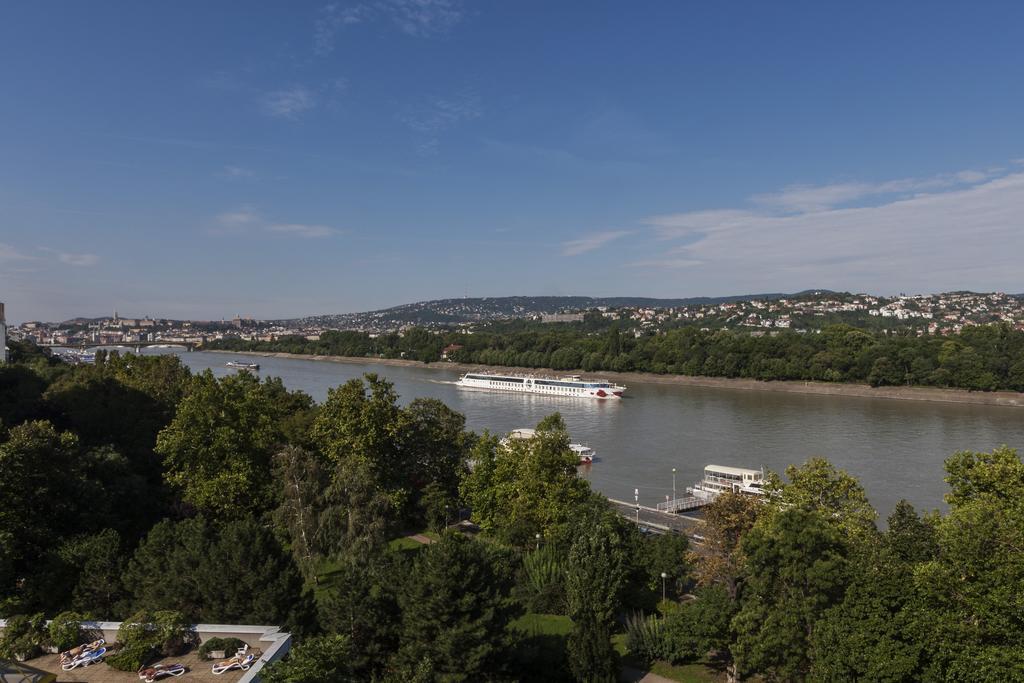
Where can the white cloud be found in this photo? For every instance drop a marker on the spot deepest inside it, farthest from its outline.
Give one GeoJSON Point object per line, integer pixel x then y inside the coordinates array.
{"type": "Point", "coordinates": [592, 242]}
{"type": "Point", "coordinates": [961, 236]}
{"type": "Point", "coordinates": [82, 260]}
{"type": "Point", "coordinates": [236, 172]}
{"type": "Point", "coordinates": [239, 218]}
{"type": "Point", "coordinates": [420, 18]}
{"type": "Point", "coordinates": [301, 230]}
{"type": "Point", "coordinates": [288, 103]}
{"type": "Point", "coordinates": [437, 114]}
{"type": "Point", "coordinates": [9, 253]}
{"type": "Point", "coordinates": [801, 198]}
{"type": "Point", "coordinates": [425, 17]}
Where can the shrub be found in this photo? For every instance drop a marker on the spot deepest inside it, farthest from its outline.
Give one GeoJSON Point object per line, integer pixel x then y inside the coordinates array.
{"type": "Point", "coordinates": [646, 638]}
{"type": "Point", "coordinates": [544, 581]}
{"type": "Point", "coordinates": [66, 631]}
{"type": "Point", "coordinates": [132, 657]}
{"type": "Point", "coordinates": [24, 637]}
{"type": "Point", "coordinates": [229, 645]}
{"type": "Point", "coordinates": [166, 631]}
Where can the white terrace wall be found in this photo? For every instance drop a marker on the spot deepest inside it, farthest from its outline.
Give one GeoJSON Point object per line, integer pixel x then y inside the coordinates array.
{"type": "Point", "coordinates": [271, 640]}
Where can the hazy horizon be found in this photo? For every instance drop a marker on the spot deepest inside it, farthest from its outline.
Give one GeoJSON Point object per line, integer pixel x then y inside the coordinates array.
{"type": "Point", "coordinates": [202, 161]}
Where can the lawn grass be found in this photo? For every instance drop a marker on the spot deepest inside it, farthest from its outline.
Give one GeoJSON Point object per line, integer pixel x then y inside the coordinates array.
{"type": "Point", "coordinates": [543, 624]}
{"type": "Point", "coordinates": [687, 673]}
{"type": "Point", "coordinates": [403, 543]}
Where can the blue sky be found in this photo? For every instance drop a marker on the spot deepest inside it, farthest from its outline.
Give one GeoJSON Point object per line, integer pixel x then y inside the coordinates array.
{"type": "Point", "coordinates": [196, 159]}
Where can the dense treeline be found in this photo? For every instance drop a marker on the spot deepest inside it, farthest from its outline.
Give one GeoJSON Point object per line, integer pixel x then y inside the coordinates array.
{"type": "Point", "coordinates": [135, 490]}
{"type": "Point", "coordinates": [985, 358]}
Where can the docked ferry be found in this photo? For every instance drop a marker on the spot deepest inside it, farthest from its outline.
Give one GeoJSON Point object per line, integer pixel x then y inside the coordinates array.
{"type": "Point", "coordinates": [721, 479]}
{"type": "Point", "coordinates": [572, 385]}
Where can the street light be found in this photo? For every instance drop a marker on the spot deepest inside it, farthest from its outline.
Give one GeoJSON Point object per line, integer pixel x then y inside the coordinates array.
{"type": "Point", "coordinates": [663, 577]}
{"type": "Point", "coordinates": [537, 536]}
{"type": "Point", "coordinates": [636, 499]}
{"type": "Point", "coordinates": [673, 483]}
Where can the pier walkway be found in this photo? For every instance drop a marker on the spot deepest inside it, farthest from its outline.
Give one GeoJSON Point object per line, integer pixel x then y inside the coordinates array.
{"type": "Point", "coordinates": [683, 504]}
{"type": "Point", "coordinates": [656, 520]}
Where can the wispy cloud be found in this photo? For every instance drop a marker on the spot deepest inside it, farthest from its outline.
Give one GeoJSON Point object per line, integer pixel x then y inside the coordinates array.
{"type": "Point", "coordinates": [437, 114]}
{"type": "Point", "coordinates": [236, 173]}
{"type": "Point", "coordinates": [421, 18]}
{"type": "Point", "coordinates": [247, 219]}
{"type": "Point", "coordinates": [81, 260]}
{"type": "Point", "coordinates": [592, 242]}
{"type": "Point", "coordinates": [801, 198]}
{"type": "Point", "coordinates": [967, 232]}
{"type": "Point", "coordinates": [239, 218]}
{"type": "Point", "coordinates": [302, 230]}
{"type": "Point", "coordinates": [10, 253]}
{"type": "Point", "coordinates": [289, 103]}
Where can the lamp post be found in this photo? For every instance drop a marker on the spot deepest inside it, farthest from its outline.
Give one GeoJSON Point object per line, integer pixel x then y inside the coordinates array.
{"type": "Point", "coordinates": [673, 483]}
{"type": "Point", "coordinates": [537, 536]}
{"type": "Point", "coordinates": [663, 577]}
{"type": "Point", "coordinates": [636, 499]}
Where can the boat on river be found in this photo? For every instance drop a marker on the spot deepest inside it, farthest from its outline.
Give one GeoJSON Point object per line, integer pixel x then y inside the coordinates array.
{"type": "Point", "coordinates": [570, 386]}
{"type": "Point", "coordinates": [584, 454]}
{"type": "Point", "coordinates": [720, 479]}
{"type": "Point", "coordinates": [242, 365]}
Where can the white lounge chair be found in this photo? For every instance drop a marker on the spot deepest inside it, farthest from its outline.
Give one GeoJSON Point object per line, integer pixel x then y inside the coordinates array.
{"type": "Point", "coordinates": [157, 671]}
{"type": "Point", "coordinates": [85, 659]}
{"type": "Point", "coordinates": [243, 659]}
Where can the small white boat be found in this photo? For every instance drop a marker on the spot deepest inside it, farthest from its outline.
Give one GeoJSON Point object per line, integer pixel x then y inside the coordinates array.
{"type": "Point", "coordinates": [585, 454]}
{"type": "Point", "coordinates": [241, 365]}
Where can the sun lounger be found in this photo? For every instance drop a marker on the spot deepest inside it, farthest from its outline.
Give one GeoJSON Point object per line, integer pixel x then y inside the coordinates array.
{"type": "Point", "coordinates": [80, 650]}
{"type": "Point", "coordinates": [243, 659]}
{"type": "Point", "coordinates": [157, 671]}
{"type": "Point", "coordinates": [84, 659]}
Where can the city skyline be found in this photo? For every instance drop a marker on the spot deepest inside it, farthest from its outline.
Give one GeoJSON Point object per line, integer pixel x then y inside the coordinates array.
{"type": "Point", "coordinates": [195, 161]}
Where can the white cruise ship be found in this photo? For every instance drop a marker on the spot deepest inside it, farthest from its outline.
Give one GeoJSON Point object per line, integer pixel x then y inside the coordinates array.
{"type": "Point", "coordinates": [571, 386]}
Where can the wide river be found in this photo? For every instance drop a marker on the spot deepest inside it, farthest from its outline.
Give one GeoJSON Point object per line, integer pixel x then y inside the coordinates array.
{"type": "Point", "coordinates": [895, 448]}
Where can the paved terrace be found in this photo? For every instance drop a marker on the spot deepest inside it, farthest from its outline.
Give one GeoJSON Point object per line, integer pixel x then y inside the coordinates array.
{"type": "Point", "coordinates": [270, 640]}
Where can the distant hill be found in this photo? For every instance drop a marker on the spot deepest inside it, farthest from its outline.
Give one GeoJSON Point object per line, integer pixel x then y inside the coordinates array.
{"type": "Point", "coordinates": [475, 309]}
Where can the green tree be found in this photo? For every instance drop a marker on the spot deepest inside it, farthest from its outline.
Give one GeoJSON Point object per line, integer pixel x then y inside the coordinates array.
{"type": "Point", "coordinates": [234, 573]}
{"type": "Point", "coordinates": [456, 608]}
{"type": "Point", "coordinates": [98, 560]}
{"type": "Point", "coordinates": [526, 486]}
{"type": "Point", "coordinates": [303, 480]}
{"type": "Point", "coordinates": [326, 659]}
{"type": "Point", "coordinates": [595, 577]}
{"type": "Point", "coordinates": [817, 485]}
{"type": "Point", "coordinates": [971, 593]}
{"type": "Point", "coordinates": [360, 603]}
{"type": "Point", "coordinates": [43, 489]}
{"type": "Point", "coordinates": [795, 569]}
{"type": "Point", "coordinates": [726, 520]}
{"type": "Point", "coordinates": [218, 448]}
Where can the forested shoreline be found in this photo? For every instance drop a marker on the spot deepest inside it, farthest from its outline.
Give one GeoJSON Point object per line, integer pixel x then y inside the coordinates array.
{"type": "Point", "coordinates": [136, 491]}
{"type": "Point", "coordinates": [979, 358]}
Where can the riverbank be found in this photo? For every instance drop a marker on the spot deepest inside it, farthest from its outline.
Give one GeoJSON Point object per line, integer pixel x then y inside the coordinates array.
{"type": "Point", "coordinates": [929, 394]}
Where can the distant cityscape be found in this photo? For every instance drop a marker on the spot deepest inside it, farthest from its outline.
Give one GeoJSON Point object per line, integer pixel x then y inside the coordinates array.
{"type": "Point", "coordinates": [943, 313]}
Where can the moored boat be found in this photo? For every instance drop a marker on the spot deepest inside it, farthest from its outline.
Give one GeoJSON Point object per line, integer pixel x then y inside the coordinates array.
{"type": "Point", "coordinates": [722, 479]}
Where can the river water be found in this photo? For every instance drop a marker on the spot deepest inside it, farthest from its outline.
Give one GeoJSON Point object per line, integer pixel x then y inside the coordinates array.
{"type": "Point", "coordinates": [895, 448]}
